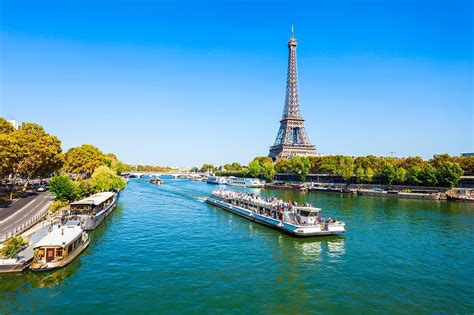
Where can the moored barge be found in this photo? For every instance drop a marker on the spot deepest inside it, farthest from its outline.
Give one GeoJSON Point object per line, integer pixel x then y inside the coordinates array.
{"type": "Point", "coordinates": [91, 211]}
{"type": "Point", "coordinates": [302, 221]}
{"type": "Point", "coordinates": [59, 248]}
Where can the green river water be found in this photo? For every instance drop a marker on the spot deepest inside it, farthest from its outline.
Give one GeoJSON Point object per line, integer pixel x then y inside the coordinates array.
{"type": "Point", "coordinates": [163, 250]}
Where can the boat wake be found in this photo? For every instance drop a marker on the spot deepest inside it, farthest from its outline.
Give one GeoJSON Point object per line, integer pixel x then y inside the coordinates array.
{"type": "Point", "coordinates": [201, 199]}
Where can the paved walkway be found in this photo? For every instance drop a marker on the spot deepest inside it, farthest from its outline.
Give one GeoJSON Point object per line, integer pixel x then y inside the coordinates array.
{"type": "Point", "coordinates": [22, 210]}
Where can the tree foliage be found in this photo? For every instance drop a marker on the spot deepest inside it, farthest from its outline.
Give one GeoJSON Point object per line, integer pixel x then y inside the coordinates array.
{"type": "Point", "coordinates": [282, 166]}
{"type": "Point", "coordinates": [29, 152]}
{"type": "Point", "coordinates": [428, 176]}
{"type": "Point", "coordinates": [5, 126]}
{"type": "Point", "coordinates": [104, 179]}
{"type": "Point", "coordinates": [448, 174]}
{"type": "Point", "coordinates": [466, 163]}
{"type": "Point", "coordinates": [360, 175]}
{"type": "Point", "coordinates": [414, 176]}
{"type": "Point", "coordinates": [400, 175]}
{"type": "Point", "coordinates": [83, 160]}
{"type": "Point", "coordinates": [206, 167]}
{"type": "Point", "coordinates": [12, 247]}
{"type": "Point", "coordinates": [63, 188]}
{"type": "Point", "coordinates": [233, 167]}
{"type": "Point", "coordinates": [255, 168]}
{"type": "Point", "coordinates": [390, 170]}
{"type": "Point", "coordinates": [300, 165]}
{"type": "Point", "coordinates": [388, 174]}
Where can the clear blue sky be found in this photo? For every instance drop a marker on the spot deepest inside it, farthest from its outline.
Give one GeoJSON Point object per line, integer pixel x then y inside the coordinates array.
{"type": "Point", "coordinates": [183, 83]}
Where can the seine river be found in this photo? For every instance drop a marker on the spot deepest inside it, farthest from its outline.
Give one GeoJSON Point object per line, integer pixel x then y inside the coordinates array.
{"type": "Point", "coordinates": [164, 250]}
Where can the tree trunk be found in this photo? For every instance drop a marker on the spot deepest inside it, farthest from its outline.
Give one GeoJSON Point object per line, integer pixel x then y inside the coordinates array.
{"type": "Point", "coordinates": [12, 187]}
{"type": "Point", "coordinates": [26, 184]}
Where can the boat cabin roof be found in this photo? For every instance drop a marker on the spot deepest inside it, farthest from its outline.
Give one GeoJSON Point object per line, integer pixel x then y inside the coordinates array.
{"type": "Point", "coordinates": [61, 236]}
{"type": "Point", "coordinates": [309, 209]}
{"type": "Point", "coordinates": [95, 199]}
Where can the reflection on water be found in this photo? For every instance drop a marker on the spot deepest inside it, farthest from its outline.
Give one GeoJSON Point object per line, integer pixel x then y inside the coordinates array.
{"type": "Point", "coordinates": [336, 248]}
{"type": "Point", "coordinates": [313, 248]}
{"type": "Point", "coordinates": [309, 250]}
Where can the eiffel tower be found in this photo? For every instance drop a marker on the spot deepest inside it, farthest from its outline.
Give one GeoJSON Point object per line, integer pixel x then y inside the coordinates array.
{"type": "Point", "coordinates": [291, 139]}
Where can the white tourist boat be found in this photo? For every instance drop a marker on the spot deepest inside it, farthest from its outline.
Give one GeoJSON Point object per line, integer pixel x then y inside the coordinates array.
{"type": "Point", "coordinates": [218, 180]}
{"type": "Point", "coordinates": [91, 211]}
{"type": "Point", "coordinates": [245, 182]}
{"type": "Point", "coordinates": [296, 220]}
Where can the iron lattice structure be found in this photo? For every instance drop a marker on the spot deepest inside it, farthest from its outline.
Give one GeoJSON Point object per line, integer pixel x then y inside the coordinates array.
{"type": "Point", "coordinates": [291, 138]}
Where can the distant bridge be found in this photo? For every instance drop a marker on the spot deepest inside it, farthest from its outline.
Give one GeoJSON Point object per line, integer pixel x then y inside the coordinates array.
{"type": "Point", "coordinates": [185, 175]}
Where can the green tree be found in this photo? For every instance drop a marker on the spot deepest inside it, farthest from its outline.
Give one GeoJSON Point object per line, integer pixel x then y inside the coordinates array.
{"type": "Point", "coordinates": [448, 174]}
{"type": "Point", "coordinates": [400, 175]}
{"type": "Point", "coordinates": [236, 166]}
{"type": "Point", "coordinates": [194, 169]}
{"type": "Point", "coordinates": [414, 176]}
{"type": "Point", "coordinates": [104, 179]}
{"type": "Point", "coordinates": [207, 167]}
{"type": "Point", "coordinates": [439, 160]}
{"type": "Point", "coordinates": [315, 164]}
{"type": "Point", "coordinates": [361, 162]}
{"type": "Point", "coordinates": [328, 165]}
{"type": "Point", "coordinates": [300, 165]}
{"type": "Point", "coordinates": [345, 166]}
{"type": "Point", "coordinates": [282, 166]}
{"type": "Point", "coordinates": [63, 188]}
{"type": "Point", "coordinates": [268, 169]}
{"type": "Point", "coordinates": [254, 168]}
{"type": "Point", "coordinates": [388, 174]}
{"type": "Point", "coordinates": [82, 161]}
{"type": "Point", "coordinates": [410, 162]}
{"type": "Point", "coordinates": [375, 163]}
{"type": "Point", "coordinates": [12, 247]}
{"type": "Point", "coordinates": [466, 163]}
{"type": "Point", "coordinates": [85, 188]}
{"type": "Point", "coordinates": [428, 175]}
{"type": "Point", "coordinates": [360, 175]}
{"type": "Point", "coordinates": [369, 174]}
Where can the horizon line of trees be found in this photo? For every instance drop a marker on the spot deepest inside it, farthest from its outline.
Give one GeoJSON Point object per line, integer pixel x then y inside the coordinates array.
{"type": "Point", "coordinates": [442, 170]}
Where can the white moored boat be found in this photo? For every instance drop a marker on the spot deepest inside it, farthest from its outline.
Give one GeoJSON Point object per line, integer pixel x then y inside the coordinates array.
{"type": "Point", "coordinates": [59, 248]}
{"type": "Point", "coordinates": [218, 180]}
{"type": "Point", "coordinates": [291, 218]}
{"type": "Point", "coordinates": [91, 211]}
{"type": "Point", "coordinates": [245, 182]}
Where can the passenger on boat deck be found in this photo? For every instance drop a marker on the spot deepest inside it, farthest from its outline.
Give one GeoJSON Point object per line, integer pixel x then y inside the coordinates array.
{"type": "Point", "coordinates": [271, 201]}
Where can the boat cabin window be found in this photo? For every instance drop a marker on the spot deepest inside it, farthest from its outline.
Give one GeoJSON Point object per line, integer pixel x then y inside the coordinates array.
{"type": "Point", "coordinates": [304, 213]}
{"type": "Point", "coordinates": [80, 207]}
{"type": "Point", "coordinates": [59, 252]}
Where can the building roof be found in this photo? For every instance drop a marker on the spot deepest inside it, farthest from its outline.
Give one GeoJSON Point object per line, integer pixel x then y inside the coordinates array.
{"type": "Point", "coordinates": [95, 199]}
{"type": "Point", "coordinates": [61, 236]}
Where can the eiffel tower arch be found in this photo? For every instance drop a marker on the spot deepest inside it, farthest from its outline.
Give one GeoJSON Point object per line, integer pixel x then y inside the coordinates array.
{"type": "Point", "coordinates": [291, 138]}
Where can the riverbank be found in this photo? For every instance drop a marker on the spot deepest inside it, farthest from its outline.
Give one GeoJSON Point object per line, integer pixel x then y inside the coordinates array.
{"type": "Point", "coordinates": [389, 191]}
